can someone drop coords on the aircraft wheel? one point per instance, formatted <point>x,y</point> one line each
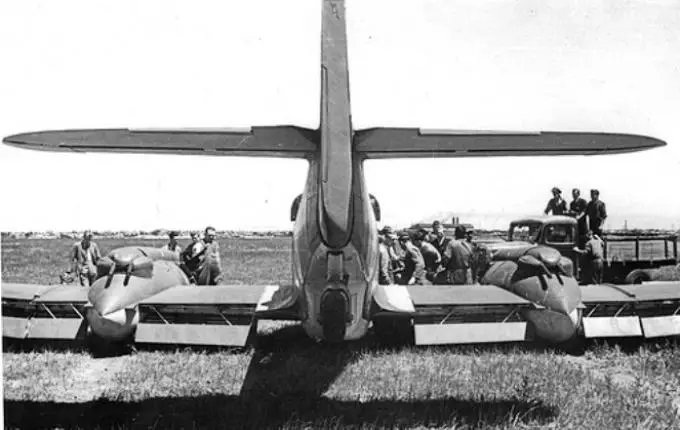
<point>100,347</point>
<point>394,330</point>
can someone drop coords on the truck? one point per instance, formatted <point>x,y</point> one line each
<point>629,259</point>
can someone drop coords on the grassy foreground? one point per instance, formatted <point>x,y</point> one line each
<point>292,382</point>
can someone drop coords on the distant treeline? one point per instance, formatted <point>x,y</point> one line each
<point>154,234</point>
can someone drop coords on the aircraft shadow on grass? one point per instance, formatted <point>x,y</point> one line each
<point>284,386</point>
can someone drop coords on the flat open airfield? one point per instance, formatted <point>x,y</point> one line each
<point>291,382</point>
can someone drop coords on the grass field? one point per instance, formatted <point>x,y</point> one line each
<point>292,382</point>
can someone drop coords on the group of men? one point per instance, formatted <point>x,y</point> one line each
<point>200,260</point>
<point>590,217</point>
<point>427,258</point>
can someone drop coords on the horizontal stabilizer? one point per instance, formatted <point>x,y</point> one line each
<point>276,141</point>
<point>442,334</point>
<point>414,142</point>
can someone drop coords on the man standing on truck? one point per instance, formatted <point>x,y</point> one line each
<point>557,204</point>
<point>577,209</point>
<point>597,212</point>
<point>594,255</point>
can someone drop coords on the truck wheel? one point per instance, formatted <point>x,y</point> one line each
<point>637,276</point>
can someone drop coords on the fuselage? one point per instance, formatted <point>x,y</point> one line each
<point>335,248</point>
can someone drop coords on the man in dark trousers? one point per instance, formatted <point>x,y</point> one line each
<point>557,204</point>
<point>84,257</point>
<point>597,212</point>
<point>594,256</point>
<point>577,209</point>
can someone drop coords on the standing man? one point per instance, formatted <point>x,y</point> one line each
<point>172,244</point>
<point>577,209</point>
<point>384,265</point>
<point>475,262</point>
<point>459,255</point>
<point>597,212</point>
<point>431,256</point>
<point>395,263</point>
<point>414,265</point>
<point>84,258</point>
<point>557,204</point>
<point>210,268</point>
<point>594,255</point>
<point>439,241</point>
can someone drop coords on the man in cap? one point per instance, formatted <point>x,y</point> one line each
<point>459,255</point>
<point>172,244</point>
<point>557,204</point>
<point>395,262</point>
<point>594,256</point>
<point>384,264</point>
<point>414,265</point>
<point>597,212</point>
<point>431,256</point>
<point>84,257</point>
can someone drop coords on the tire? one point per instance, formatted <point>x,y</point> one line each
<point>637,276</point>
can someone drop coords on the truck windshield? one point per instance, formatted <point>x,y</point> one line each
<point>525,232</point>
<point>559,233</point>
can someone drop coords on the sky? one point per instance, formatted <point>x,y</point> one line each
<point>606,66</point>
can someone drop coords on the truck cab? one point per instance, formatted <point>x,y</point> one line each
<point>559,232</point>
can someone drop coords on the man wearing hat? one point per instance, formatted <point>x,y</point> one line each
<point>597,212</point>
<point>172,245</point>
<point>459,254</point>
<point>84,258</point>
<point>395,264</point>
<point>431,256</point>
<point>414,265</point>
<point>557,204</point>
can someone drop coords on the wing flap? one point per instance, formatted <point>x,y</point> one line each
<point>193,334</point>
<point>661,326</point>
<point>276,141</point>
<point>443,334</point>
<point>612,326</point>
<point>414,142</point>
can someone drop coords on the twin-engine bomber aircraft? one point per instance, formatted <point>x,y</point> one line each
<point>141,295</point>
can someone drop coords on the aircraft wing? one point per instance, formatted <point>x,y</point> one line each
<point>212,315</point>
<point>457,314</point>
<point>276,141</point>
<point>43,311</point>
<point>414,142</point>
<point>651,310</point>
<point>215,315</point>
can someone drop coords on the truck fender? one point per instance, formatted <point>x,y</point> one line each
<point>638,276</point>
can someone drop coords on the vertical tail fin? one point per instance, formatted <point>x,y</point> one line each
<point>335,128</point>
